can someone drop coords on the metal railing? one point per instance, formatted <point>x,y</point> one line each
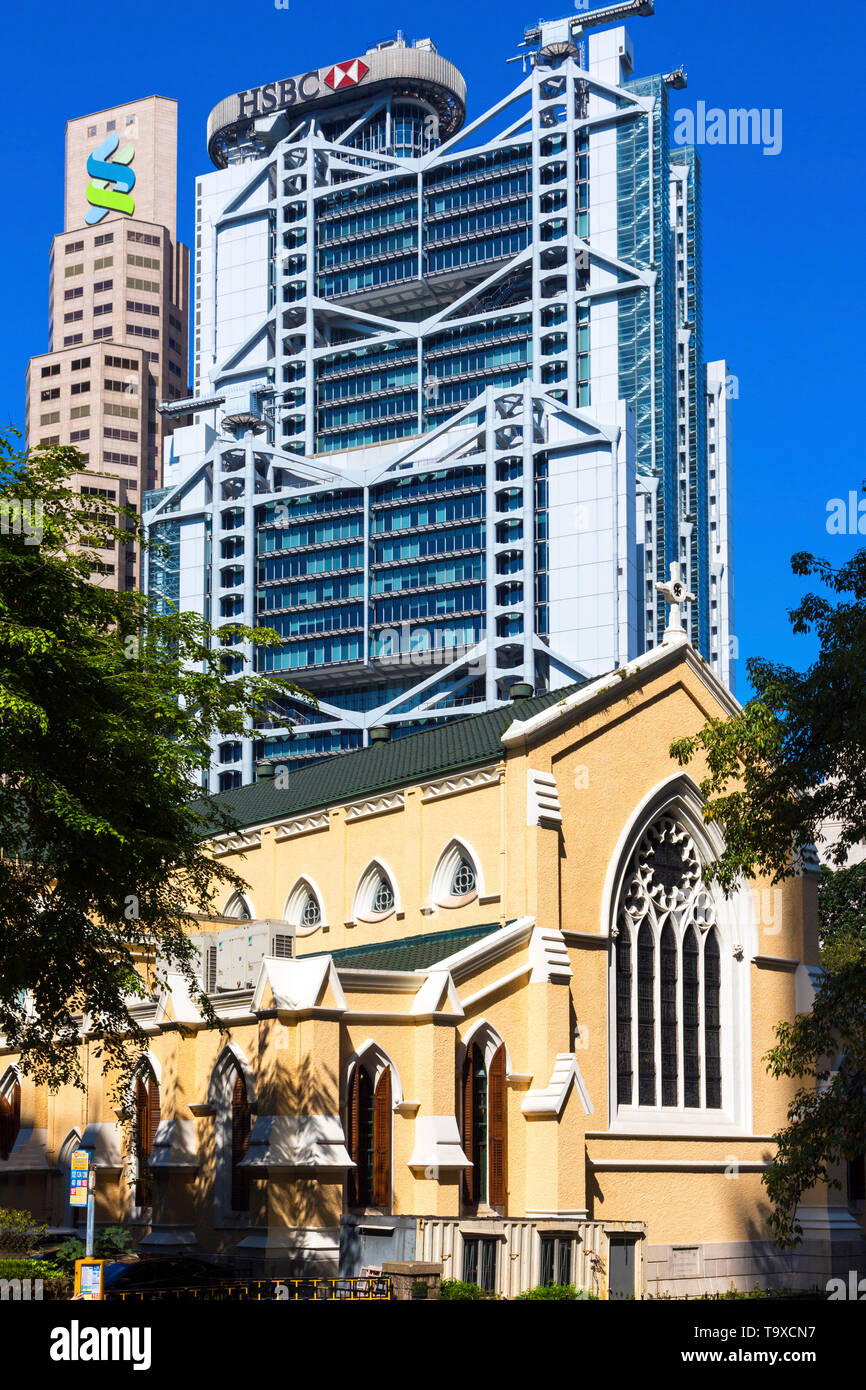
<point>364,1289</point>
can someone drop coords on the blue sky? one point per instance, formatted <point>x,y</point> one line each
<point>783,265</point>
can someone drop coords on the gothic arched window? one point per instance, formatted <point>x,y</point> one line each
<point>10,1114</point>
<point>303,908</point>
<point>147,1113</point>
<point>383,896</point>
<point>483,1127</point>
<point>463,879</point>
<point>369,1136</point>
<point>311,914</point>
<point>376,895</point>
<point>240,1142</point>
<point>667,978</point>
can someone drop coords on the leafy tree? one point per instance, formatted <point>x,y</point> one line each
<point>108,704</point>
<point>795,757</point>
<point>792,760</point>
<point>827,1118</point>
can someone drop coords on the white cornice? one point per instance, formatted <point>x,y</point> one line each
<point>549,1101</point>
<point>486,951</point>
<point>303,825</point>
<point>375,806</point>
<point>524,732</point>
<point>359,981</point>
<point>461,782</point>
<point>707,1165</point>
<point>238,842</point>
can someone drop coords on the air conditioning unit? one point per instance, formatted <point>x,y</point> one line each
<point>231,959</point>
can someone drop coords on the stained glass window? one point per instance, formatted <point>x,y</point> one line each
<point>667,977</point>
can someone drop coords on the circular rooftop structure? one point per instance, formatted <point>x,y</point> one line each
<point>410,72</point>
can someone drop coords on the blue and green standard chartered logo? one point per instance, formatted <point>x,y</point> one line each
<point>110,183</point>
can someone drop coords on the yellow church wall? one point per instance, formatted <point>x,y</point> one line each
<point>607,759</point>
<point>410,840</point>
<point>589,995</point>
<point>685,1206</point>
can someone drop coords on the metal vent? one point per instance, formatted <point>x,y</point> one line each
<point>209,970</point>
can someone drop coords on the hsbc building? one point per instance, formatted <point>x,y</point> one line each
<point>449,423</point>
<point>417,74</point>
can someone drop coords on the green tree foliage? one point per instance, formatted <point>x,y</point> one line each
<point>795,757</point>
<point>110,1244</point>
<point>459,1291</point>
<point>20,1233</point>
<point>792,760</point>
<point>827,1048</point>
<point>108,704</point>
<point>546,1293</point>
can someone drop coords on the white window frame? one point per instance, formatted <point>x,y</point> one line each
<point>443,874</point>
<point>737,932</point>
<point>237,900</point>
<point>362,906</point>
<point>219,1095</point>
<point>145,1063</point>
<point>295,903</point>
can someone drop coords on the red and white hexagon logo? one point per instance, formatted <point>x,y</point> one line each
<point>346,74</point>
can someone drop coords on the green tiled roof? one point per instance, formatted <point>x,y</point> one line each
<point>411,952</point>
<point>400,762</point>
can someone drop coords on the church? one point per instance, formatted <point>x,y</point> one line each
<point>478,1008</point>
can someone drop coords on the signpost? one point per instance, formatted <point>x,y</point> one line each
<point>79,1172</point>
<point>88,1279</point>
<point>82,1183</point>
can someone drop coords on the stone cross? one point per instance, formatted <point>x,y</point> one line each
<point>675,593</point>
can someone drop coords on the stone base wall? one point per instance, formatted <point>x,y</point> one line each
<point>687,1271</point>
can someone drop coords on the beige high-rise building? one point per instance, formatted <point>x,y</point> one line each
<point>117,319</point>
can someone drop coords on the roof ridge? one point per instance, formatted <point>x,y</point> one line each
<point>344,955</point>
<point>362,772</point>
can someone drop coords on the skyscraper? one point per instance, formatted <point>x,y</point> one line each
<point>117,319</point>
<point>450,403</point>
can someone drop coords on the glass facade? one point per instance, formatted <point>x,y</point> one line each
<point>442,328</point>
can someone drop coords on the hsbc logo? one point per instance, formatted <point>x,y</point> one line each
<point>278,96</point>
<point>346,74</point>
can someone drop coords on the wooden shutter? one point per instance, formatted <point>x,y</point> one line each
<point>142,1125</point>
<point>10,1119</point>
<point>382,1141</point>
<point>497,1126</point>
<point>147,1112</point>
<point>154,1111</point>
<point>142,1130</point>
<point>354,1118</point>
<point>470,1175</point>
<point>240,1144</point>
